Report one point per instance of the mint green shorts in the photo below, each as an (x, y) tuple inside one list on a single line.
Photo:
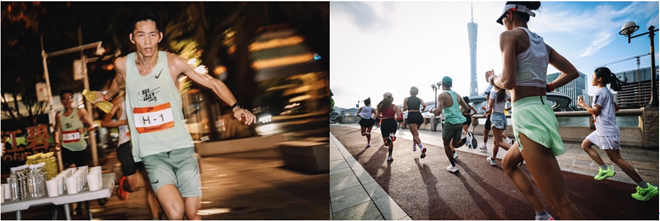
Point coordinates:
[(178, 167), (534, 117)]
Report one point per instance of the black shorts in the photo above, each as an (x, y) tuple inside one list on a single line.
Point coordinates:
[(487, 126), (69, 157), (415, 118), (388, 126), (125, 156), (367, 122), (468, 120)]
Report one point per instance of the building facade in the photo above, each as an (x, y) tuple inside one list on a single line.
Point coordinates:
[(573, 89)]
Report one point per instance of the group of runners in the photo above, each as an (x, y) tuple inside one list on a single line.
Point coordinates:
[(525, 62), (148, 112)]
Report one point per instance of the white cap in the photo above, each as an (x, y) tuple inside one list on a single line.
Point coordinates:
[(387, 94), (516, 7)]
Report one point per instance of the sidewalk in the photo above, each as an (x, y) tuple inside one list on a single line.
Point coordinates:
[(426, 194), (354, 194)]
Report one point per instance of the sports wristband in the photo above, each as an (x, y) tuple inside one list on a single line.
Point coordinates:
[(492, 82), (236, 105), (549, 88)]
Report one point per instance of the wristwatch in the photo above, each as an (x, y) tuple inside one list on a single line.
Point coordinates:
[(237, 104)]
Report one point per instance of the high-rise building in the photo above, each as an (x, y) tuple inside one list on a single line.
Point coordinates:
[(636, 92), (472, 34), (573, 89)]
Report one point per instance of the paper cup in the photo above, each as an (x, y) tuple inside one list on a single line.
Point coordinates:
[(97, 168), (52, 188), (72, 185), (60, 184), (93, 181)]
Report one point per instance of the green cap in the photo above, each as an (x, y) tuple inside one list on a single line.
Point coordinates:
[(446, 80)]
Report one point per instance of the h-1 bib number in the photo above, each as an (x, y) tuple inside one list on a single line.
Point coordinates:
[(152, 119), (71, 136)]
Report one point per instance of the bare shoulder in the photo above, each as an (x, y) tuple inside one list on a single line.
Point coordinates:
[(120, 64), (176, 60)]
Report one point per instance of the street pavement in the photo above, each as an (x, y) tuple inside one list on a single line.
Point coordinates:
[(251, 185), (365, 186)]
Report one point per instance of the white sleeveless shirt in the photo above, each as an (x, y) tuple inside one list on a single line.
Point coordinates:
[(532, 64), (366, 112)]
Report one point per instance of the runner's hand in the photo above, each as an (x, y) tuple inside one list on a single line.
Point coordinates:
[(58, 147), (99, 97), (245, 116)]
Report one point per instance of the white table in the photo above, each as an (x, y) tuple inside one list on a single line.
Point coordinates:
[(64, 199)]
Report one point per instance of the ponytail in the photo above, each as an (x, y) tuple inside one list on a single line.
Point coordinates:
[(610, 78)]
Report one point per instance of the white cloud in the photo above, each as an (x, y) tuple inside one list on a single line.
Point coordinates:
[(604, 38)]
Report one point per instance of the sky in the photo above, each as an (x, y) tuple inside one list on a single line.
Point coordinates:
[(379, 47)]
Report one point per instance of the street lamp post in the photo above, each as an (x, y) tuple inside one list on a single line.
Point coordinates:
[(435, 88), (628, 29)]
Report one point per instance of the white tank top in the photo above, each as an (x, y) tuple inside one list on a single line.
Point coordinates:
[(366, 112), (532, 64)]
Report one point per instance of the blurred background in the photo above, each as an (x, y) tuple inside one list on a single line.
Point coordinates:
[(272, 56)]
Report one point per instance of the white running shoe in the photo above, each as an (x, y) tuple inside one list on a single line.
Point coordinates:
[(491, 161), (483, 147), (508, 140), (389, 158), (452, 169)]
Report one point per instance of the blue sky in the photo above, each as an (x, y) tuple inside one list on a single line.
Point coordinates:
[(390, 46)]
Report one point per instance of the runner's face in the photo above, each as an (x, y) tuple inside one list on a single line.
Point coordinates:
[(146, 37), (67, 100)]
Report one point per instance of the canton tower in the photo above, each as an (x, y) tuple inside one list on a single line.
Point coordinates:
[(472, 34)]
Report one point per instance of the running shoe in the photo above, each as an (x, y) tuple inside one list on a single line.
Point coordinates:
[(603, 174), (389, 158), (547, 216), (455, 155), (483, 147), (368, 145), (392, 137), (452, 169), (121, 193), (645, 194), (414, 146), (423, 153), (491, 161), (508, 140)]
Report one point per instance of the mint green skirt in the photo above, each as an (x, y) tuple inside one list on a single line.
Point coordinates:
[(534, 117)]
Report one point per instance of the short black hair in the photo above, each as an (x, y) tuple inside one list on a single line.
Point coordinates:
[(144, 15), (64, 91)]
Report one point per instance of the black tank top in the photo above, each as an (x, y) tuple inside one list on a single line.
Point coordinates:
[(413, 103)]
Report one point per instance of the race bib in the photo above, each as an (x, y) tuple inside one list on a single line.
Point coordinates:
[(152, 119), (71, 136)]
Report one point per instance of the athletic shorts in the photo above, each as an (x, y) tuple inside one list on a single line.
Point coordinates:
[(415, 118), (452, 131), (487, 126), (178, 167), (499, 120), (367, 122), (125, 156), (388, 126), (73, 157), (468, 120), (604, 142), (534, 117)]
